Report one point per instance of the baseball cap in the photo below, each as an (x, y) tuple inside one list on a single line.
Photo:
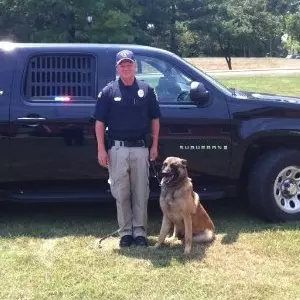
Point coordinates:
[(124, 55)]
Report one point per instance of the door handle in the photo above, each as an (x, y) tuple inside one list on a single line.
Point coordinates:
[(31, 120)]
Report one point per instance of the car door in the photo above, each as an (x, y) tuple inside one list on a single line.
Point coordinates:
[(200, 134), (77, 125), (53, 136)]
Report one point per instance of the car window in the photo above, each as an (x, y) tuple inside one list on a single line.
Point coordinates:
[(170, 84), (52, 77)]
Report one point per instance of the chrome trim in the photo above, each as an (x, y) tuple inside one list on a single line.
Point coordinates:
[(31, 119)]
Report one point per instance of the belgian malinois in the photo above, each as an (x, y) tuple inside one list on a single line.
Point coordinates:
[(181, 207)]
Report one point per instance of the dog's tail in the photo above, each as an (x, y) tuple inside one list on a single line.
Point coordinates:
[(205, 236)]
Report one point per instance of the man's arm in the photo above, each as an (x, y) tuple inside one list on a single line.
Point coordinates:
[(102, 153), (100, 129), (155, 133), (155, 125), (154, 114), (100, 114)]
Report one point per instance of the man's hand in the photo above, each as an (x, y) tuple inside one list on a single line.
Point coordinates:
[(103, 158), (153, 153)]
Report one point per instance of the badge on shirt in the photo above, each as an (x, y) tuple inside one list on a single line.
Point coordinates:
[(141, 93), (117, 98)]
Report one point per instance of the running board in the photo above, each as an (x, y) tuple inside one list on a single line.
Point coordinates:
[(91, 195)]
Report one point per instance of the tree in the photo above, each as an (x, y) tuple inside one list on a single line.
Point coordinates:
[(65, 20), (163, 15), (187, 27), (292, 22), (231, 24), (292, 29)]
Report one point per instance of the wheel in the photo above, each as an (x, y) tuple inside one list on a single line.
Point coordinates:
[(274, 185)]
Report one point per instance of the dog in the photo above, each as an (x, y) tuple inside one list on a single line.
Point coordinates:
[(181, 207)]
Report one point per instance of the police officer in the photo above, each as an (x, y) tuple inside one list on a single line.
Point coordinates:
[(129, 109)]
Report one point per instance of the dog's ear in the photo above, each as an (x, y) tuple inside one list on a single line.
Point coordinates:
[(184, 162)]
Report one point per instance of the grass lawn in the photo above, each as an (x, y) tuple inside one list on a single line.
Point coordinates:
[(50, 251), (286, 85)]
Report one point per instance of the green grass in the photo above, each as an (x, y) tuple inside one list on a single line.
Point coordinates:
[(286, 85), (51, 252)]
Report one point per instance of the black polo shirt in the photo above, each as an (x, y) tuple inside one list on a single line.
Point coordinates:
[(127, 111)]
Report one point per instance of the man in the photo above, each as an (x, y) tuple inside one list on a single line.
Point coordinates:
[(129, 109)]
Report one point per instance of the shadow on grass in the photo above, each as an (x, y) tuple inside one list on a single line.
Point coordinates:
[(166, 255), (54, 220)]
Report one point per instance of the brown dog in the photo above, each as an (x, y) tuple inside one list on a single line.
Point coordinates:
[(181, 207)]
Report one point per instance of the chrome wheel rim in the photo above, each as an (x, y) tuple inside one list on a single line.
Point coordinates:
[(287, 190)]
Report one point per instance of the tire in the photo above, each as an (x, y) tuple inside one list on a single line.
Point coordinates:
[(274, 185)]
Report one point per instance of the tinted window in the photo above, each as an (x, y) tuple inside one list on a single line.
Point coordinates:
[(170, 84), (52, 76)]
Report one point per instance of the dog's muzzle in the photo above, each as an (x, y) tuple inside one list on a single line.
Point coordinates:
[(167, 177)]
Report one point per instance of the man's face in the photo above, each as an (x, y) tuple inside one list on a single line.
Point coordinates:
[(126, 69)]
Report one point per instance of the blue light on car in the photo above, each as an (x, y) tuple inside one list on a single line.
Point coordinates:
[(62, 98)]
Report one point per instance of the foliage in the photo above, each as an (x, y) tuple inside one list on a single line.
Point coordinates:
[(292, 22), (290, 44), (65, 20), (233, 25), (188, 27)]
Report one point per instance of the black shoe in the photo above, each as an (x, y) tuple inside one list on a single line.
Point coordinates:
[(126, 241), (141, 241)]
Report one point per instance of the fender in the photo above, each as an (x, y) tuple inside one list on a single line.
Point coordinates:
[(269, 131)]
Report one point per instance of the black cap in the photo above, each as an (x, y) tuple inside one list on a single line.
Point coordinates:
[(124, 55)]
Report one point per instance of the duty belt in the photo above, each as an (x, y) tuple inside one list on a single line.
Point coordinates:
[(137, 143)]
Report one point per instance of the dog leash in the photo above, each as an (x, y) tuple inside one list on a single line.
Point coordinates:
[(107, 236), (152, 164), (112, 233)]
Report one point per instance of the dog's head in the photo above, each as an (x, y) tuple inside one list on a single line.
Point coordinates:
[(174, 170)]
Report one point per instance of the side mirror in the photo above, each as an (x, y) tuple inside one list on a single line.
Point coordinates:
[(198, 93)]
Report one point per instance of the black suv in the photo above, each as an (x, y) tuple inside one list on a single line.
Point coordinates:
[(236, 142)]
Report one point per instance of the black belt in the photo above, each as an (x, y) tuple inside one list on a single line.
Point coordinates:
[(137, 143)]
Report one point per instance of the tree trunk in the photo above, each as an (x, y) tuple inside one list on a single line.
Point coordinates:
[(226, 52), (228, 60)]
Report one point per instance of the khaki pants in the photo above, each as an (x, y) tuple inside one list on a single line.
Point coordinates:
[(129, 183)]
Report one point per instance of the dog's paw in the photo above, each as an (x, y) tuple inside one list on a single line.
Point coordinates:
[(171, 239)]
